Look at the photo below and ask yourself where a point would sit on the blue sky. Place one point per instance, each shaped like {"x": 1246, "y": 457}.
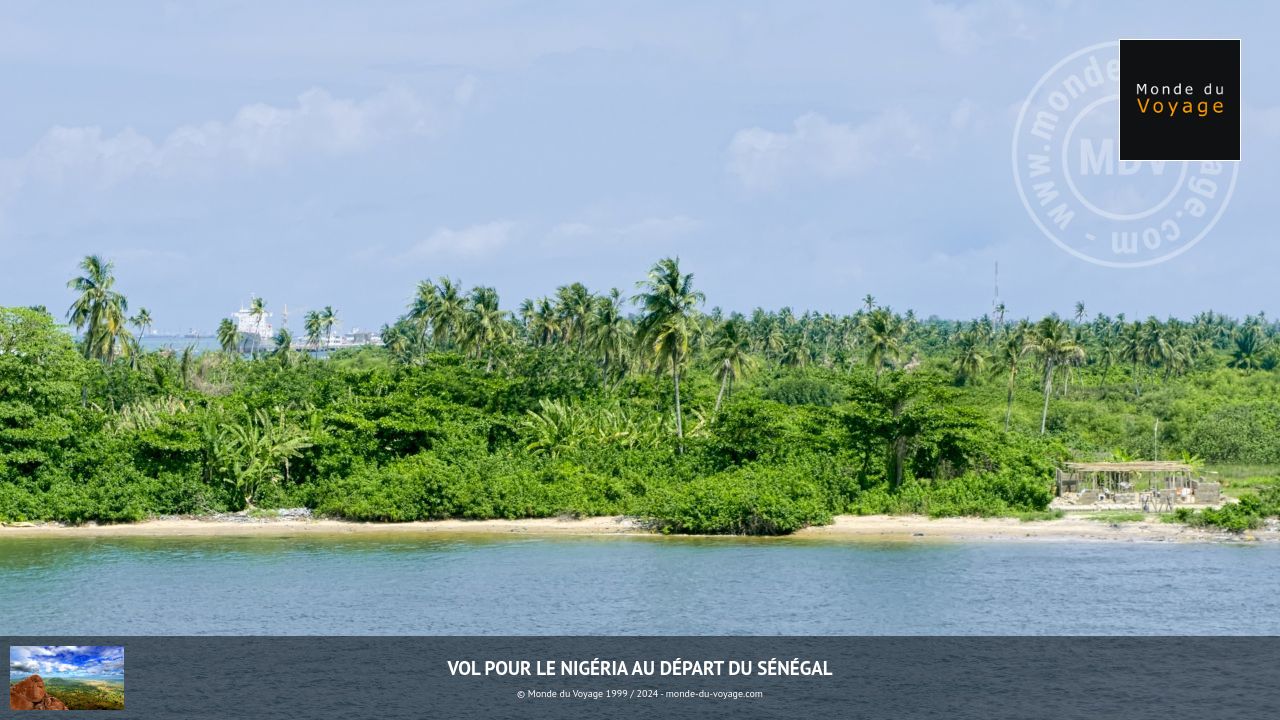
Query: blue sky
{"x": 801, "y": 154}
{"x": 67, "y": 661}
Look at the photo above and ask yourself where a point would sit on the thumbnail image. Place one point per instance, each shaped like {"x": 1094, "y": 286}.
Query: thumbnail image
{"x": 66, "y": 677}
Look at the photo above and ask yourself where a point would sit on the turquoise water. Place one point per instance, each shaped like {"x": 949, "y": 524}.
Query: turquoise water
{"x": 384, "y": 585}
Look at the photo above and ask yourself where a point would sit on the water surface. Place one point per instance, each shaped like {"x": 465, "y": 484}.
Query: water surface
{"x": 630, "y": 585}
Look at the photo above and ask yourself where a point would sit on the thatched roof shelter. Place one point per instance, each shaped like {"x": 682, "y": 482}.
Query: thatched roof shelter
{"x": 1114, "y": 477}
{"x": 1140, "y": 466}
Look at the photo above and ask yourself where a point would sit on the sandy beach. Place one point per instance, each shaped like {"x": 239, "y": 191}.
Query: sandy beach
{"x": 872, "y": 528}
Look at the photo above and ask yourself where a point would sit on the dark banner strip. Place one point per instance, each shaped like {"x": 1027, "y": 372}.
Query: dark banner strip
{"x": 677, "y": 677}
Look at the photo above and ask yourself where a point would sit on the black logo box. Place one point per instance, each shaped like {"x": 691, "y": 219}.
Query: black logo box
{"x": 1186, "y": 67}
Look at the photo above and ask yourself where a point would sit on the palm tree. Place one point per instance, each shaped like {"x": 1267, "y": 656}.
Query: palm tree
{"x": 485, "y": 324}
{"x": 883, "y": 333}
{"x": 313, "y": 325}
{"x": 228, "y": 336}
{"x": 668, "y": 304}
{"x": 283, "y": 350}
{"x": 1134, "y": 349}
{"x": 1052, "y": 341}
{"x": 608, "y": 330}
{"x": 730, "y": 353}
{"x": 1108, "y": 350}
{"x": 541, "y": 322}
{"x": 1080, "y": 311}
{"x": 1011, "y": 350}
{"x": 574, "y": 304}
{"x": 422, "y": 309}
{"x": 258, "y": 311}
{"x": 142, "y": 321}
{"x": 1251, "y": 347}
{"x": 99, "y": 310}
{"x": 185, "y": 363}
{"x": 448, "y": 313}
{"x": 328, "y": 318}
{"x": 970, "y": 360}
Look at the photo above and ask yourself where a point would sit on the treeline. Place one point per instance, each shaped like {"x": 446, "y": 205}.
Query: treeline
{"x": 602, "y": 403}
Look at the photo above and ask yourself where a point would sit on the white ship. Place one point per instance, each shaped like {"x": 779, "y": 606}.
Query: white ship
{"x": 257, "y": 332}
{"x": 254, "y": 328}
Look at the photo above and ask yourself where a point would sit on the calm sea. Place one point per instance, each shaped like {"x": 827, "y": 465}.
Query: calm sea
{"x": 499, "y": 586}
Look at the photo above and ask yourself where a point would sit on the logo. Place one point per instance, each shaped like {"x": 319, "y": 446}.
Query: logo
{"x": 1082, "y": 196}
{"x": 1180, "y": 100}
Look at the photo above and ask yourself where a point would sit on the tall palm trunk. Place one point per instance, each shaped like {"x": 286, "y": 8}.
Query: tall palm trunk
{"x": 724, "y": 383}
{"x": 675, "y": 374}
{"x": 1048, "y": 390}
{"x": 1008, "y": 412}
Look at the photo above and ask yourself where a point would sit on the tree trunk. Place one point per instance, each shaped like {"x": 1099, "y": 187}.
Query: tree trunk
{"x": 724, "y": 382}
{"x": 1008, "y": 412}
{"x": 675, "y": 374}
{"x": 1048, "y": 390}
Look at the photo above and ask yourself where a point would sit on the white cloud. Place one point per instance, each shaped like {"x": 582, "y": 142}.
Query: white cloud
{"x": 954, "y": 28}
{"x": 963, "y": 28}
{"x": 257, "y": 135}
{"x": 817, "y": 147}
{"x": 475, "y": 241}
{"x": 647, "y": 229}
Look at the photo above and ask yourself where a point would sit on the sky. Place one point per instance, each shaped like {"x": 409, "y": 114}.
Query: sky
{"x": 66, "y": 661}
{"x": 791, "y": 154}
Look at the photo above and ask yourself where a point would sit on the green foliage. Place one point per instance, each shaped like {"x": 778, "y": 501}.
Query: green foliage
{"x": 701, "y": 422}
{"x": 742, "y": 501}
{"x": 804, "y": 390}
{"x": 1247, "y": 514}
{"x": 975, "y": 494}
{"x": 79, "y": 694}
{"x": 40, "y": 385}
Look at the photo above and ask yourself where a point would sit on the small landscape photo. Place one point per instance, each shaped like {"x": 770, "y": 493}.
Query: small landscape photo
{"x": 66, "y": 677}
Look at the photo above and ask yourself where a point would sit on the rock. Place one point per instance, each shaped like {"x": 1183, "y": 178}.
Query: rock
{"x": 29, "y": 694}
{"x": 31, "y": 688}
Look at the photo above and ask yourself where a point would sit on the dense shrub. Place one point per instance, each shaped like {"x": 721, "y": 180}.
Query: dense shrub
{"x": 804, "y": 391}
{"x": 743, "y": 501}
{"x": 978, "y": 494}
{"x": 1247, "y": 514}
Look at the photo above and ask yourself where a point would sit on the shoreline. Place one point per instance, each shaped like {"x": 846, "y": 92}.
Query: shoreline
{"x": 851, "y": 528}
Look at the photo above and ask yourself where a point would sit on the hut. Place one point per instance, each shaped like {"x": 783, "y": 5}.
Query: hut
{"x": 1151, "y": 484}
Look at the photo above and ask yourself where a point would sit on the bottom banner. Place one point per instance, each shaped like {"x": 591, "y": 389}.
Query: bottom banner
{"x": 642, "y": 677}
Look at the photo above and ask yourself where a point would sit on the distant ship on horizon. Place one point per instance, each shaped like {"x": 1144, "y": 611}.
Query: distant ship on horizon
{"x": 257, "y": 330}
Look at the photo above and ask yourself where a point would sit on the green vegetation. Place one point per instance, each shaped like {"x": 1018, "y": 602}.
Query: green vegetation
{"x": 86, "y": 694}
{"x": 1249, "y": 513}
{"x": 589, "y": 403}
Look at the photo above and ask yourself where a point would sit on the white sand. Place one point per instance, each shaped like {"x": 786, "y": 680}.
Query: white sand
{"x": 911, "y": 528}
